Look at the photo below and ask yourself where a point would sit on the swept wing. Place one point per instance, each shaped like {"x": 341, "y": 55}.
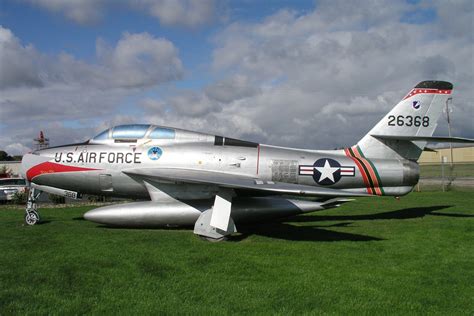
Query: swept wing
{"x": 233, "y": 181}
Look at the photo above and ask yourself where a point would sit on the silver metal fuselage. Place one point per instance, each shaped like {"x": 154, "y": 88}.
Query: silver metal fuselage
{"x": 100, "y": 168}
{"x": 267, "y": 163}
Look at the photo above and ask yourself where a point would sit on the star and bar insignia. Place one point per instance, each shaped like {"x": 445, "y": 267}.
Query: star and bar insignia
{"x": 326, "y": 171}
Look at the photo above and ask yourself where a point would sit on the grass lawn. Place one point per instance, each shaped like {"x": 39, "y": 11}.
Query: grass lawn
{"x": 371, "y": 256}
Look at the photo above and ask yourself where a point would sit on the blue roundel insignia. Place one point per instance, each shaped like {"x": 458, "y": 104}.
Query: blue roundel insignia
{"x": 154, "y": 153}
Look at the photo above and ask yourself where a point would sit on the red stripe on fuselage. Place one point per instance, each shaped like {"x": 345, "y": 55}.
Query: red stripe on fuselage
{"x": 371, "y": 170}
{"x": 362, "y": 171}
{"x": 51, "y": 167}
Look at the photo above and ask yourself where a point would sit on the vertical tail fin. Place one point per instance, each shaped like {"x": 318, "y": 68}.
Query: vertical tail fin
{"x": 414, "y": 116}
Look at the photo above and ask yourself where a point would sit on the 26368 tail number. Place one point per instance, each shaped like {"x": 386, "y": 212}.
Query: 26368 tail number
{"x": 408, "y": 120}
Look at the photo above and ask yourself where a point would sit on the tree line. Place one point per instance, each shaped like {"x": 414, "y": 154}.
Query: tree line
{"x": 4, "y": 156}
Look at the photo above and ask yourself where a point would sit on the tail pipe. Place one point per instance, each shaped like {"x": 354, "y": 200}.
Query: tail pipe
{"x": 411, "y": 173}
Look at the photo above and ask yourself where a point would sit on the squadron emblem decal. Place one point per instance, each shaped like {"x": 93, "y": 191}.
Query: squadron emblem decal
{"x": 327, "y": 171}
{"x": 416, "y": 105}
{"x": 154, "y": 153}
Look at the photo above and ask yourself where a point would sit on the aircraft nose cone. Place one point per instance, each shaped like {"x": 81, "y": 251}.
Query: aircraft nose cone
{"x": 28, "y": 162}
{"x": 25, "y": 165}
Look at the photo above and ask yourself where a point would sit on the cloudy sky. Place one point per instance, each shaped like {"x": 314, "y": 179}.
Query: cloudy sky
{"x": 291, "y": 73}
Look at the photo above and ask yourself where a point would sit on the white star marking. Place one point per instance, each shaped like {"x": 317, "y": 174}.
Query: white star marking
{"x": 327, "y": 172}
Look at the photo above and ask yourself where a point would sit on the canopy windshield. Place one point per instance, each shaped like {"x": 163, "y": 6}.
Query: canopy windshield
{"x": 102, "y": 136}
{"x": 136, "y": 131}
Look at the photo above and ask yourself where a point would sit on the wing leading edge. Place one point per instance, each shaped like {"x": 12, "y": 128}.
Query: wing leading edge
{"x": 234, "y": 181}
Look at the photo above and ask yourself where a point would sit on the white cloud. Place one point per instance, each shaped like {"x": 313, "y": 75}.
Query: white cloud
{"x": 141, "y": 60}
{"x": 319, "y": 79}
{"x": 455, "y": 19}
{"x": 17, "y": 148}
{"x": 192, "y": 104}
{"x": 232, "y": 88}
{"x": 79, "y": 11}
{"x": 17, "y": 62}
{"x": 322, "y": 79}
{"x": 138, "y": 60}
{"x": 39, "y": 89}
{"x": 187, "y": 13}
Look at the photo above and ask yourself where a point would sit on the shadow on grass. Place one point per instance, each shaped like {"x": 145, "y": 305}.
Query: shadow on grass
{"x": 151, "y": 227}
{"x": 299, "y": 233}
{"x": 406, "y": 213}
{"x": 43, "y": 222}
{"x": 283, "y": 229}
{"x": 273, "y": 230}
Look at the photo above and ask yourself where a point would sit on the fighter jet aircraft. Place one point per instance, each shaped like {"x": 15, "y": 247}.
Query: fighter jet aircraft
{"x": 215, "y": 182}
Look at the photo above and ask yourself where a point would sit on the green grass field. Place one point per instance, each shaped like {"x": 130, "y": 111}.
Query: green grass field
{"x": 371, "y": 256}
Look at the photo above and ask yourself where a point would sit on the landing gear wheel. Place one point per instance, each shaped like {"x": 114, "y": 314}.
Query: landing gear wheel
{"x": 32, "y": 218}
{"x": 210, "y": 239}
{"x": 31, "y": 215}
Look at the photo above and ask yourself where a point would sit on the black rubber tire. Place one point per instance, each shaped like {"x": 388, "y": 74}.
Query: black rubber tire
{"x": 32, "y": 218}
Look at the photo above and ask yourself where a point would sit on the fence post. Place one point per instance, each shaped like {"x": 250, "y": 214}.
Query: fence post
{"x": 443, "y": 161}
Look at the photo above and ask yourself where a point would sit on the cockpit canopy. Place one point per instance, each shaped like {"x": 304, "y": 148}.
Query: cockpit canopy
{"x": 133, "y": 132}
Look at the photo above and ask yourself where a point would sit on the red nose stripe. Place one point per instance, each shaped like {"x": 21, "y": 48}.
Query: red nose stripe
{"x": 51, "y": 167}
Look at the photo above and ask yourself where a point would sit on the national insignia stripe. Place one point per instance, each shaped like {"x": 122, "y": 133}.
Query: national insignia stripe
{"x": 363, "y": 171}
{"x": 347, "y": 171}
{"x": 374, "y": 170}
{"x": 370, "y": 171}
{"x": 367, "y": 169}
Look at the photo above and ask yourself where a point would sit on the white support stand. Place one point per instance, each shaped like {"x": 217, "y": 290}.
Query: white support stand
{"x": 216, "y": 223}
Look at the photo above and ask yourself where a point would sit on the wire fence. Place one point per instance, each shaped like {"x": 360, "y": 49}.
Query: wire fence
{"x": 446, "y": 176}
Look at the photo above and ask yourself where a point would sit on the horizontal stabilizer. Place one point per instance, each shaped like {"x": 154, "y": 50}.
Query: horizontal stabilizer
{"x": 430, "y": 139}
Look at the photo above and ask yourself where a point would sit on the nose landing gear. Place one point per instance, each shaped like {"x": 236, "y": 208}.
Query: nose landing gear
{"x": 32, "y": 218}
{"x": 31, "y": 212}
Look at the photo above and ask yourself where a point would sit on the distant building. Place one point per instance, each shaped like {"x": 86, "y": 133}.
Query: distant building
{"x": 13, "y": 166}
{"x": 460, "y": 155}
